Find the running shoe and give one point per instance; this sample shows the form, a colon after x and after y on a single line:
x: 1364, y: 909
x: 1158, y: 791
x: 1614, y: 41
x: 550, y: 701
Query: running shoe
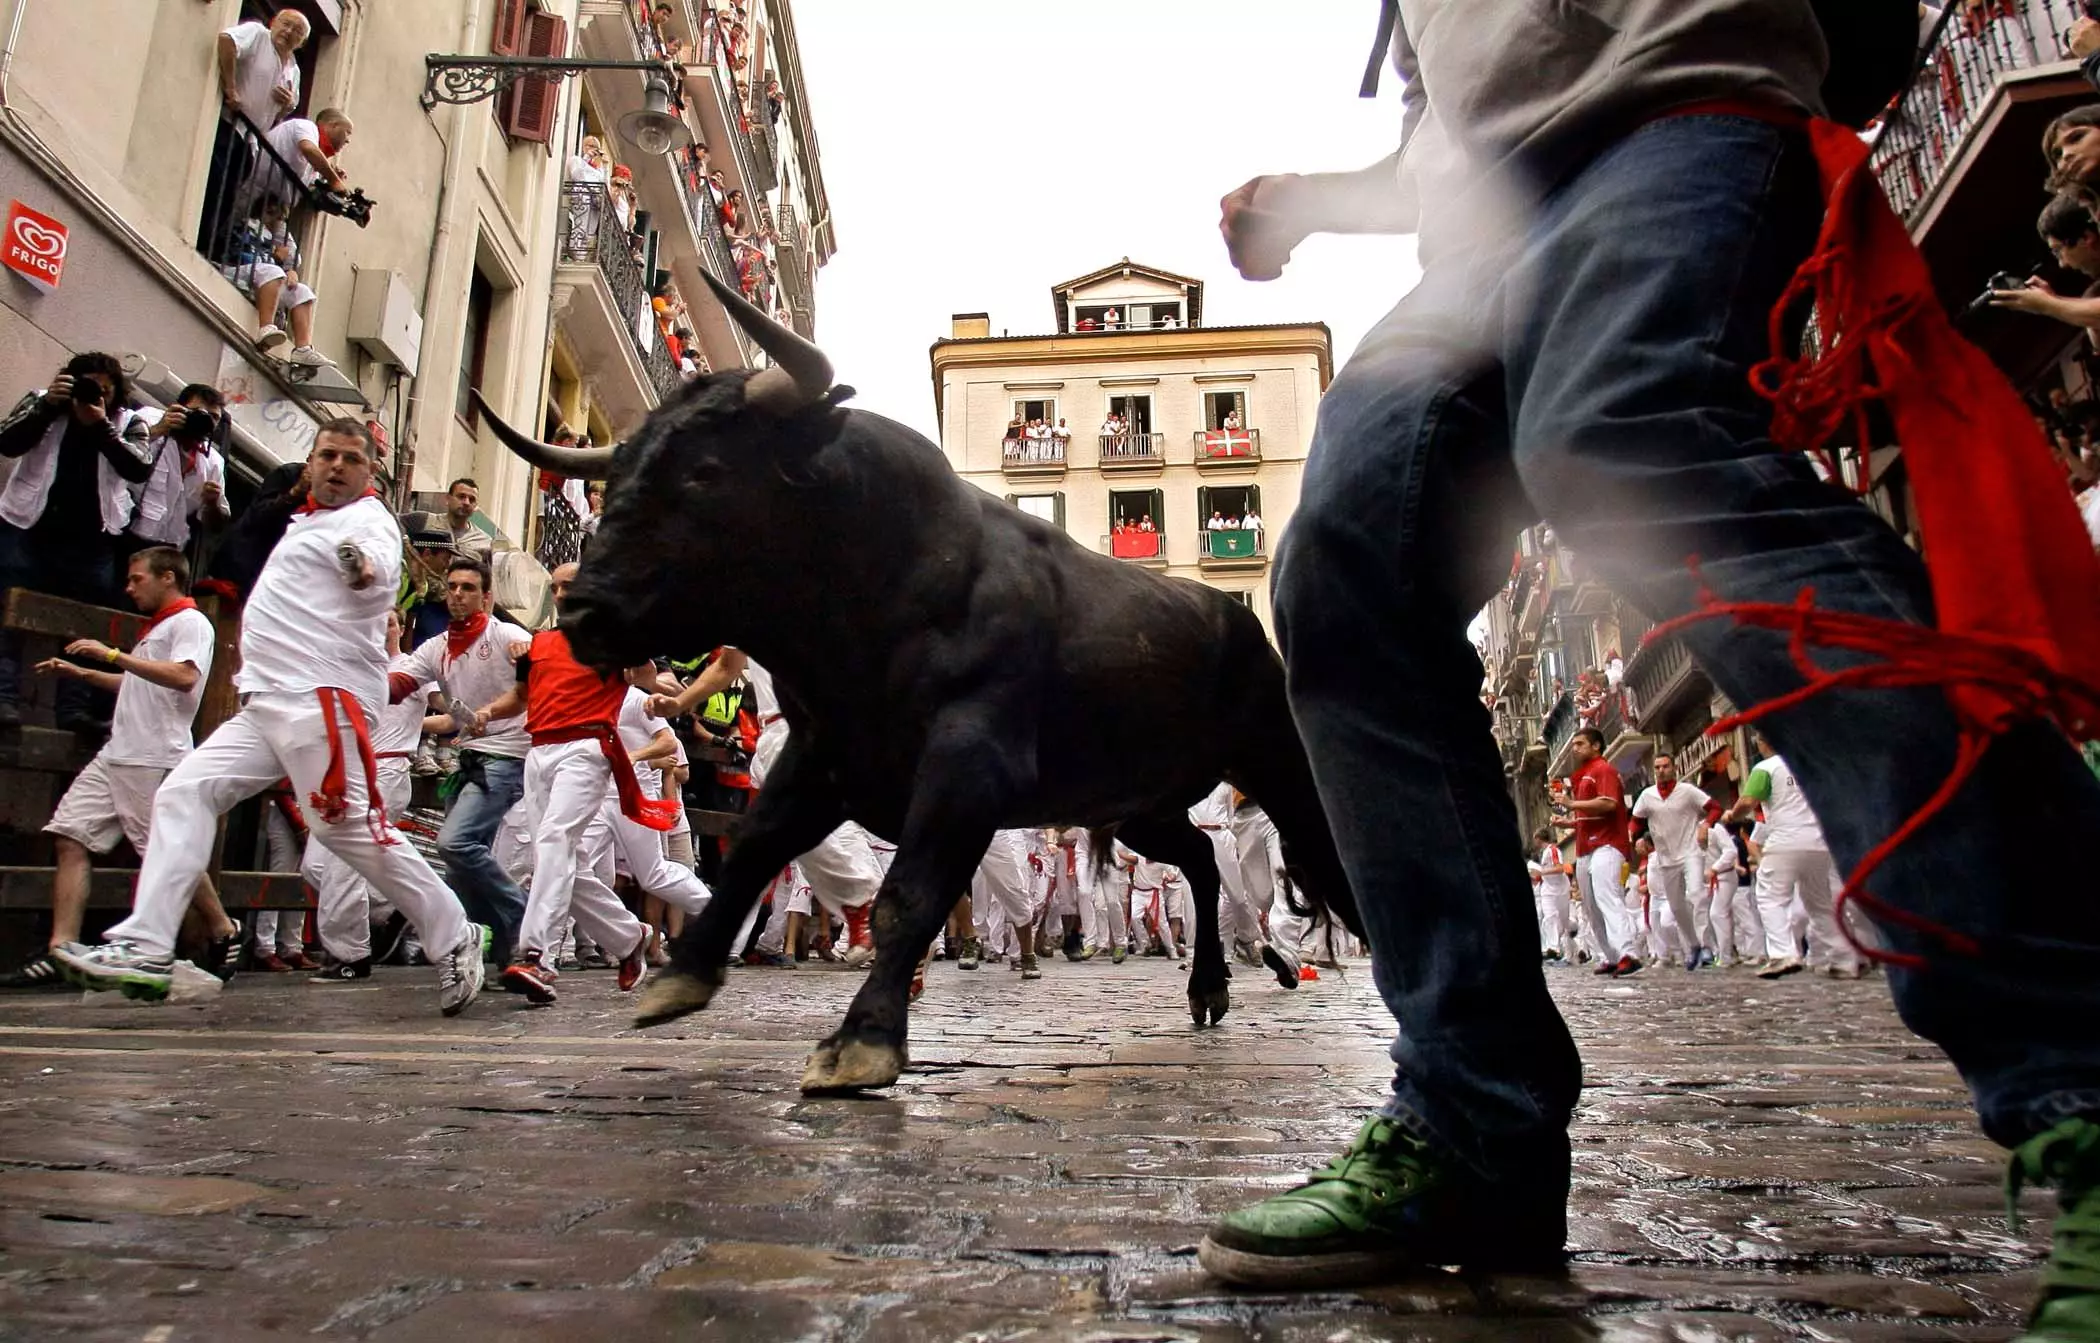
x: 1628, y: 965
x: 2066, y: 1158
x: 1280, y: 962
x: 41, y: 973
x: 972, y: 954
x: 635, y: 964
x: 459, y: 971
x: 223, y: 954
x: 122, y: 966
x: 343, y: 972
x: 1781, y: 968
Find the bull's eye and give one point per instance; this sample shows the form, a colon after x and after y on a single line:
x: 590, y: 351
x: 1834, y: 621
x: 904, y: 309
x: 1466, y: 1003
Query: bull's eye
x: 706, y: 472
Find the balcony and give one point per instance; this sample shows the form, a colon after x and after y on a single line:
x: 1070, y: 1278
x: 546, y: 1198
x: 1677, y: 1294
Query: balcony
x: 1231, y: 548
x: 602, y: 306
x: 1032, y: 458
x: 1133, y: 452
x: 765, y: 143
x: 1146, y: 548
x: 793, y: 255
x: 1558, y: 729
x: 561, y: 535
x: 1224, y: 449
x: 1660, y: 677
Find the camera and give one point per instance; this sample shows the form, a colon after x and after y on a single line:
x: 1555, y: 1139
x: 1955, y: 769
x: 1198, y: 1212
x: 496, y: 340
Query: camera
x: 196, y: 428
x: 353, y: 205
x: 1999, y: 283
x: 88, y: 392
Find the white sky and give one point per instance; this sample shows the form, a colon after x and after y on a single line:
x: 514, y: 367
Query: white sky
x: 978, y: 151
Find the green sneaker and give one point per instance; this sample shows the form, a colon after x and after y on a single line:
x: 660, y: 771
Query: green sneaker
x: 2066, y: 1158
x: 1387, y: 1207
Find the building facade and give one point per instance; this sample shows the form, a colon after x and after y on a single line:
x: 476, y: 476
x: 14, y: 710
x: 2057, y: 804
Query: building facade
x: 475, y: 271
x: 1137, y: 428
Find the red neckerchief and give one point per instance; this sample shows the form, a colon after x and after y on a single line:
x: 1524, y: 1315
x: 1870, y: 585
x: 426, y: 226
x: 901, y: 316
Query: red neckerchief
x: 313, y: 505
x: 174, y: 608
x: 461, y: 634
x: 328, y: 146
x: 1665, y: 789
x: 2013, y: 574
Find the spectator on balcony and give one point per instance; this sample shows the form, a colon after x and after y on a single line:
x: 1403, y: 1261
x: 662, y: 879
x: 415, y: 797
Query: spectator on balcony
x: 1087, y: 324
x: 1112, y: 319
x: 595, y: 496
x: 1250, y: 521
x: 258, y: 73
x: 1145, y: 524
x: 619, y: 189
x: 1232, y: 523
x: 2071, y: 149
x: 1016, y: 432
x: 1060, y: 438
x: 671, y: 47
x: 1232, y: 420
x: 735, y: 220
x: 2068, y: 229
x: 67, y: 500
x: 1113, y: 430
x: 264, y: 265
x: 187, y: 491
x: 1038, y: 441
x: 1217, y: 521
x: 718, y: 187
x: 776, y: 101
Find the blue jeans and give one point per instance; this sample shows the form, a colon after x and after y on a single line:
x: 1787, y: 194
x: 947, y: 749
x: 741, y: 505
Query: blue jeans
x: 493, y: 784
x: 1594, y: 373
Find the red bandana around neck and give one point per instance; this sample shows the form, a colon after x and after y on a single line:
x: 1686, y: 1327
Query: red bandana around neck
x: 313, y: 505
x: 172, y: 609
x: 461, y: 634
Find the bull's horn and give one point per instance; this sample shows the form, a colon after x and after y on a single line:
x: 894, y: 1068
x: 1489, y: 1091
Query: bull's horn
x: 800, y: 375
x: 590, y: 463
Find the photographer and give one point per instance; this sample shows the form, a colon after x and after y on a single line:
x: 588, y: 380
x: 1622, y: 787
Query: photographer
x: 2068, y: 228
x: 67, y: 501
x: 309, y: 147
x: 187, y: 490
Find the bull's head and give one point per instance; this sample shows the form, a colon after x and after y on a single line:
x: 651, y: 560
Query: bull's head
x: 694, y: 500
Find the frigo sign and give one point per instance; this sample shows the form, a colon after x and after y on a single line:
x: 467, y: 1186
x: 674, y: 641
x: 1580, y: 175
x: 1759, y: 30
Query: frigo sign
x: 34, y: 246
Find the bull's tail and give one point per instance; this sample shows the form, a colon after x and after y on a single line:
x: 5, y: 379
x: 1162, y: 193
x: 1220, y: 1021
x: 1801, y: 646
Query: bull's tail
x: 1101, y: 843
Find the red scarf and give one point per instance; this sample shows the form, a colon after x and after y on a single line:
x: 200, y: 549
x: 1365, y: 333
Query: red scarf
x: 461, y: 634
x: 2013, y: 573
x: 332, y: 799
x: 313, y: 505
x: 174, y: 608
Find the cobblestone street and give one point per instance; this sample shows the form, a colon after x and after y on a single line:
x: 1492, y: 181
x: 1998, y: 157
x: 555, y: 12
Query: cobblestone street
x: 1754, y: 1161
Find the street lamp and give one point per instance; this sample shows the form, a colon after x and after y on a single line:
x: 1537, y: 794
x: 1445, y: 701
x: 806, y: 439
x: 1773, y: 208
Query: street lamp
x: 655, y: 129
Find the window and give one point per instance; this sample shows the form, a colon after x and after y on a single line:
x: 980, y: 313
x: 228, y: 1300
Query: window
x: 1136, y: 412
x: 1218, y: 405
x: 474, y: 348
x: 1128, y: 316
x: 1049, y: 507
x: 1230, y: 502
x: 1244, y: 596
x: 1044, y: 410
x: 1137, y: 524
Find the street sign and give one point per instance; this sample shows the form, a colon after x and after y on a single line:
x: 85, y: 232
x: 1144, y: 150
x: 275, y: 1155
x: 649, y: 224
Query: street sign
x: 35, y: 246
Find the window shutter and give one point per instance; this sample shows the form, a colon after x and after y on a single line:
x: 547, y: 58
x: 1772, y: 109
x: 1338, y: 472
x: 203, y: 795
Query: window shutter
x: 529, y: 105
x: 1254, y: 498
x: 509, y: 35
x: 1060, y: 497
x: 1202, y: 506
x: 1159, y: 510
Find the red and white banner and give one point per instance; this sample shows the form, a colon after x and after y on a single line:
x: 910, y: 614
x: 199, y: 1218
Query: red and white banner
x: 1228, y: 443
x: 35, y: 247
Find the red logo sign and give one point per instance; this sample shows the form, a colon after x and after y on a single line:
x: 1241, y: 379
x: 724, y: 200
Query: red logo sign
x: 35, y: 246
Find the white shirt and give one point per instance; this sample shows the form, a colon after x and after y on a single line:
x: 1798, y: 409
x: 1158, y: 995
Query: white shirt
x: 1552, y: 881
x: 151, y: 724
x: 1720, y: 849
x: 1251, y: 523
x: 304, y: 626
x: 1673, y: 821
x: 257, y: 69
x: 1790, y: 826
x: 400, y: 726
x: 477, y: 677
x: 638, y: 727
x: 760, y: 699
x: 285, y: 138
x: 169, y: 498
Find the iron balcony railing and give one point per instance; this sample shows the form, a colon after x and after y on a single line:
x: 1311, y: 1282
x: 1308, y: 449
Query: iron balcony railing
x: 1030, y: 453
x: 793, y: 255
x: 1560, y: 725
x: 561, y: 532
x: 1228, y: 445
x: 245, y: 177
x: 1973, y: 47
x: 1231, y: 543
x: 592, y: 235
x: 1657, y: 672
x: 1133, y: 449
x: 765, y: 142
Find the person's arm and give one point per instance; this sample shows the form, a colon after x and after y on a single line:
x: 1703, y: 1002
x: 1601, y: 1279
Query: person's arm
x: 1756, y: 789
x: 719, y: 676
x: 26, y: 424
x: 107, y: 682
x: 128, y: 464
x: 311, y: 152
x: 1594, y: 806
x: 2043, y: 301
x: 178, y: 676
x: 509, y: 704
x: 229, y: 65
x: 1643, y: 806
x: 418, y: 673
x: 662, y: 746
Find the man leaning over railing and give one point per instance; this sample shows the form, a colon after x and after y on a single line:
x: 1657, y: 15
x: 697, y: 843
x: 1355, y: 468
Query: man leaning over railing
x: 259, y: 80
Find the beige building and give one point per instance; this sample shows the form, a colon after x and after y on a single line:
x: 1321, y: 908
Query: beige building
x: 474, y: 271
x: 1169, y: 427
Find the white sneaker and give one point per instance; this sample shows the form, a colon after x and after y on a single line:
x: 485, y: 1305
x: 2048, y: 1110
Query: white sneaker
x: 121, y: 966
x: 1780, y: 969
x: 306, y: 356
x: 460, y: 972
x: 1281, y: 963
x: 270, y: 337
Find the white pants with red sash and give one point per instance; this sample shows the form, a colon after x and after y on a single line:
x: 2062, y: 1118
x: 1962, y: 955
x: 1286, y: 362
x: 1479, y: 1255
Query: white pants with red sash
x: 277, y: 735
x: 566, y: 784
x: 343, y: 900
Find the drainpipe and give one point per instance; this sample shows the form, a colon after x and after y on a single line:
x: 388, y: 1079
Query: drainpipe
x: 440, y: 253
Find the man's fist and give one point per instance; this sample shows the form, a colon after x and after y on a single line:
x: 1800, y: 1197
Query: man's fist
x: 1260, y: 226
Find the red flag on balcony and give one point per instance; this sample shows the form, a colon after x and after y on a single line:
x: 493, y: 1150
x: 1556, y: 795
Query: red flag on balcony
x: 1228, y: 443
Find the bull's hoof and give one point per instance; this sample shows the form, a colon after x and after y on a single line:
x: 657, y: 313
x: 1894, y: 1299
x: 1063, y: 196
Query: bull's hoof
x: 1209, y: 1008
x: 851, y: 1065
x: 672, y: 995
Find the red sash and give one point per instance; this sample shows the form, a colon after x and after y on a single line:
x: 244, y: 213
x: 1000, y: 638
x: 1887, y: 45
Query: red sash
x: 656, y: 813
x: 332, y: 799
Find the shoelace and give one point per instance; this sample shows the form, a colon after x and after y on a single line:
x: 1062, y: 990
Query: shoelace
x: 2068, y: 1157
x: 1368, y: 1164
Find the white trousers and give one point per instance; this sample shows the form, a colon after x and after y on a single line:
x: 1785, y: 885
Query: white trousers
x: 1553, y: 915
x: 280, y: 929
x: 343, y: 899
x: 1810, y: 876
x: 641, y: 851
x: 1000, y: 884
x: 1260, y: 859
x: 572, y: 867
x: 1602, y: 872
x: 1736, y: 930
x: 1672, y: 879
x: 274, y: 736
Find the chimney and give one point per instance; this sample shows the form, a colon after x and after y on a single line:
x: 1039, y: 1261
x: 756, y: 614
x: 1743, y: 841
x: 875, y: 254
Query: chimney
x: 970, y: 326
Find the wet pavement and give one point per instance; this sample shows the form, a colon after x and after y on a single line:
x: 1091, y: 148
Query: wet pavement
x: 1754, y: 1161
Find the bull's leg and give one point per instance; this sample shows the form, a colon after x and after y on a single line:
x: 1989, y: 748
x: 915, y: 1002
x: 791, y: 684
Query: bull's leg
x: 1274, y: 771
x: 1171, y: 838
x: 934, y: 863
x: 789, y: 819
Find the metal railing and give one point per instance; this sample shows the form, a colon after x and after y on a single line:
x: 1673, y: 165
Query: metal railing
x: 1228, y: 445
x: 1560, y: 725
x: 593, y: 236
x: 1658, y: 670
x: 245, y: 173
x: 1971, y: 50
x: 765, y: 142
x: 1232, y: 543
x: 1032, y: 452
x: 561, y: 536
x: 793, y: 257
x: 1132, y: 449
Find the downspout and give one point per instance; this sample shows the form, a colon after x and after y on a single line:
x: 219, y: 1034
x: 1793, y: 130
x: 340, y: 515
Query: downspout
x: 23, y: 137
x: 440, y: 247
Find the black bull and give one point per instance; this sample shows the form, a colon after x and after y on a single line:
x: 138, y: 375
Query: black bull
x: 948, y: 665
